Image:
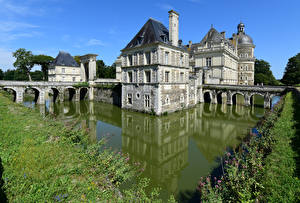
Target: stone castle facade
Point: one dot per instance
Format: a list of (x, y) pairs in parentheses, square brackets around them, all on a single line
[(159, 74)]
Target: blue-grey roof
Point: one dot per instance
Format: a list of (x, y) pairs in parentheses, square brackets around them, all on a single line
[(64, 59), (244, 39), (213, 36), (152, 31)]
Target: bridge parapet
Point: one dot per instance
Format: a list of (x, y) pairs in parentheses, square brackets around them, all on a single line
[(216, 92)]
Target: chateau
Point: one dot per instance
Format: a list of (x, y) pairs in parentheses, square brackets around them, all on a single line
[(159, 74)]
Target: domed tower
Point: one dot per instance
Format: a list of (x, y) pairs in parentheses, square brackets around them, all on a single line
[(245, 50)]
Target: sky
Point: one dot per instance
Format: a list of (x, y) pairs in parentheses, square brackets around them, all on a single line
[(105, 27)]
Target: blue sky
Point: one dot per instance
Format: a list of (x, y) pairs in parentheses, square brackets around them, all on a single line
[(105, 27)]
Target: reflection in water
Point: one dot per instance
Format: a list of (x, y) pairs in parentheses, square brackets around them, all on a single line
[(174, 150)]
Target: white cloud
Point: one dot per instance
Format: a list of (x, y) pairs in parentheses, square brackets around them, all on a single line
[(6, 59), (12, 25), (11, 30), (95, 42), (11, 8), (164, 6)]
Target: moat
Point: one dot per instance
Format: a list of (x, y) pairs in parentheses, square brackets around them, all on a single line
[(174, 150)]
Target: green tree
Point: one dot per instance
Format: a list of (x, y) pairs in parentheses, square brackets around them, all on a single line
[(44, 61), (100, 71), (77, 59), (291, 74), (20, 75), (1, 74), (263, 74), (37, 75), (24, 61), (9, 75), (104, 71)]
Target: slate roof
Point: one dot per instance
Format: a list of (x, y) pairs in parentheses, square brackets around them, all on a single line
[(64, 59), (213, 36), (152, 31), (244, 39)]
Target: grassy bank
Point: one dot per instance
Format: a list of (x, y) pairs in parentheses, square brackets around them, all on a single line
[(43, 160), (264, 168)]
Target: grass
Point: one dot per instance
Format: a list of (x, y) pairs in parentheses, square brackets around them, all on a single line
[(265, 168), (281, 181), (42, 160)]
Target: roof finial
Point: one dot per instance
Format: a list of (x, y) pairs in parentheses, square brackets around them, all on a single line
[(212, 26)]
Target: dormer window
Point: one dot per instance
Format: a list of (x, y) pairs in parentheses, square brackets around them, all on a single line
[(164, 38), (139, 40)]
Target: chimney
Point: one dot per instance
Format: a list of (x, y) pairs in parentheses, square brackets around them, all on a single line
[(173, 27), (190, 44), (223, 34)]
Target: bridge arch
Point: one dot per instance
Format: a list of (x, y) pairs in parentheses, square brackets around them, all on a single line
[(83, 92), (55, 93), (220, 96), (37, 91), (14, 92), (260, 96), (71, 92), (207, 96), (234, 97)]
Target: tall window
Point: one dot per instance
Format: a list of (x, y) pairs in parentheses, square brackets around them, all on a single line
[(147, 76), (208, 62), (73, 79), (130, 60), (181, 77), (63, 70), (181, 60), (148, 58), (166, 57), (147, 100), (129, 98), (167, 73), (129, 76)]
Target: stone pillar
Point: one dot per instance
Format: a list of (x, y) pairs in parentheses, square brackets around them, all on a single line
[(19, 95), (41, 99), (267, 102), (247, 100), (77, 95), (89, 61), (200, 94), (229, 98), (61, 96), (214, 98), (91, 93)]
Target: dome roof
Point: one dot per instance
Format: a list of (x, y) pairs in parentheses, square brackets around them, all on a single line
[(244, 39)]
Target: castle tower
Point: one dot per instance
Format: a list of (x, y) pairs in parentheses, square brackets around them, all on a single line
[(173, 27), (245, 48)]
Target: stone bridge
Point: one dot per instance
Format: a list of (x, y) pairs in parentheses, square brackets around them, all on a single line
[(227, 93), (42, 88)]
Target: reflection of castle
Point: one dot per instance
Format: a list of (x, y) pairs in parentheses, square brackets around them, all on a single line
[(162, 144)]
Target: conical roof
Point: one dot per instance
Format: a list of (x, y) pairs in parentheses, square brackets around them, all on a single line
[(152, 31), (64, 59)]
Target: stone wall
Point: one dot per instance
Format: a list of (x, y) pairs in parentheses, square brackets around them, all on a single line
[(108, 95)]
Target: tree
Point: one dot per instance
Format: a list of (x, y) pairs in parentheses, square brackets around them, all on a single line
[(1, 74), (263, 74), (104, 71), (37, 75), (9, 75), (291, 74), (77, 59), (44, 61), (23, 61)]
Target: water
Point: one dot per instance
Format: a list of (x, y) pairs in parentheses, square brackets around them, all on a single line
[(174, 150)]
